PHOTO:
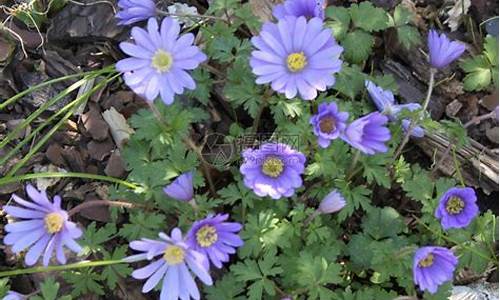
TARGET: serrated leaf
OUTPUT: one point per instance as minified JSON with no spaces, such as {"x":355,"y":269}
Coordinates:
{"x":491,"y":49}
{"x":114,"y":272}
{"x":368,"y":17}
{"x":402,"y":15}
{"x":350,"y":81}
{"x":49,"y":289}
{"x":340,"y":21}
{"x":408,"y":36}
{"x":226,"y":288}
{"x":84,"y":282}
{"x":478,"y":80}
{"x":382,"y":223}
{"x":357,"y":46}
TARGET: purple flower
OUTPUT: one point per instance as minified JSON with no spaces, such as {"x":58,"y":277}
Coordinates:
{"x":457,"y":207}
{"x":333,"y":202}
{"x":181,"y":188}
{"x":368,"y":134}
{"x":296,"y":55}
{"x":174,"y":265}
{"x":433,"y":266}
{"x":11,"y":295}
{"x":273,"y":170}
{"x":159,"y":60}
{"x":45,"y":228}
{"x":442,"y":51}
{"x":215,"y":238}
{"x":132,"y":11}
{"x":297,"y":8}
{"x":329,"y":123}
{"x":385,"y":103}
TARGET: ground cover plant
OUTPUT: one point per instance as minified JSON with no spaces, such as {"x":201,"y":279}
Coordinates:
{"x":248,"y":150}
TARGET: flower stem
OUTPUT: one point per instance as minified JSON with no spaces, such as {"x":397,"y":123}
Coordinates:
{"x":84,"y":264}
{"x":191,"y":144}
{"x":450,"y":240}
{"x":311,"y":217}
{"x":93,"y":203}
{"x":6,"y":180}
{"x":413,"y":123}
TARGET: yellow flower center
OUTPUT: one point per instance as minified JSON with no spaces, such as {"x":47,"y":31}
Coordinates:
{"x":162,"y":61}
{"x":296,"y":61}
{"x":53,"y":222}
{"x":272,"y":167}
{"x":455,"y":205}
{"x":174,"y":255}
{"x":327,"y":125}
{"x":426,"y":261}
{"x":206,"y":236}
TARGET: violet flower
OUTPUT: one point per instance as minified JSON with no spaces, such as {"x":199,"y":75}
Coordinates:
{"x":433,"y":266}
{"x":159,"y":61}
{"x":385,"y":103}
{"x":297,"y":8}
{"x":368,"y":134}
{"x":175,"y":265}
{"x":442,"y":51}
{"x":273,"y":170}
{"x":132,"y":11}
{"x":333,"y":202}
{"x":296,"y":56}
{"x":181,"y":188}
{"x":215,"y":238}
{"x":329,"y":123}
{"x":457,"y":207}
{"x":43,"y":227}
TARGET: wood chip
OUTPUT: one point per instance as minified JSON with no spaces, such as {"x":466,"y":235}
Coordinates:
{"x":120,"y":130}
{"x":95,"y":124}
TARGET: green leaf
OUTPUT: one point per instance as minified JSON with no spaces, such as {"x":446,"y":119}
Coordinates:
{"x":479,"y":68}
{"x":491,"y":50}
{"x":93,"y":238}
{"x":241,"y":89}
{"x":204,"y":85}
{"x":142,"y":225}
{"x":368,"y":17}
{"x":49,"y":289}
{"x":477,"y":80}
{"x":350,"y":81}
{"x":4,"y":287}
{"x":408,"y":36}
{"x":341,"y":19}
{"x":402,"y":15}
{"x":374,"y":169}
{"x":382,"y":223}
{"x":84,"y":282}
{"x":226,"y":288}
{"x":355,"y":198}
{"x":357,"y":46}
{"x":114,"y":272}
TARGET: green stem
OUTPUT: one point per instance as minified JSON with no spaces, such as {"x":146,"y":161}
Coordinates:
{"x":352,"y":167}
{"x":77,"y":265}
{"x":414,"y":122}
{"x":457,"y":167}
{"x":6,"y":180}
{"x":455,"y":242}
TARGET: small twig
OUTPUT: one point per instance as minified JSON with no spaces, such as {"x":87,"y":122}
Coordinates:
{"x":474,"y":121}
{"x":93,"y":203}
